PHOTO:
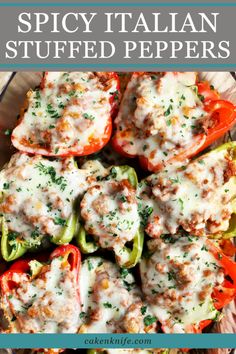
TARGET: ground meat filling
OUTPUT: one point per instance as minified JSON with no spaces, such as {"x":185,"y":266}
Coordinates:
{"x":110,"y":212}
{"x":198,"y":197}
{"x":49,"y":303}
{"x":178,"y":280}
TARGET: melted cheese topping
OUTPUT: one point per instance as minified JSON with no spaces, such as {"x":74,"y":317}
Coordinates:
{"x":178,"y":280}
{"x":197,"y":197}
{"x":110,"y":212}
{"x":38,"y":195}
{"x":48,"y":303}
{"x":111,"y":300}
{"x":159,"y":115}
{"x":70,"y":112}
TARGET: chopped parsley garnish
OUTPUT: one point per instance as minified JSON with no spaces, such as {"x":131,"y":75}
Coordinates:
{"x":113,"y":174}
{"x":71,"y":93}
{"x":167,"y":112}
{"x":145,"y":147}
{"x":37,"y":104}
{"x":12,"y":235}
{"x":123,"y":198}
{"x":171,"y":275}
{"x":61,"y":105}
{"x":129,"y":286}
{"x":35,"y":233}
{"x":168,"y":239}
{"x":116,"y":94}
{"x":149,"y":320}
{"x":82,"y":314}
{"x":88,"y":116}
{"x":6,"y":185}
{"x":201,"y":97}
{"x":61,"y":181}
{"x":90,"y":266}
{"x":52,"y":112}
{"x":145,"y":213}
{"x":37,"y":94}
{"x":59,"y":221}
{"x":181,"y":204}
{"x":124,"y":272}
{"x":175,"y":180}
{"x":107,"y":305}
{"x":143,"y":310}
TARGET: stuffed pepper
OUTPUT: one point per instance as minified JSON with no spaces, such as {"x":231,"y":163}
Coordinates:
{"x":186,"y":280}
{"x":43,"y":298}
{"x":38,"y":202}
{"x":168,"y":117}
{"x":109,"y":213}
{"x":111,"y":301}
{"x":70,"y":114}
{"x":199,"y":197}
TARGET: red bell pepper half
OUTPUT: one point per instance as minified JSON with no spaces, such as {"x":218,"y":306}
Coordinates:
{"x":41,"y":144}
{"x":70,"y":254}
{"x":12,"y":278}
{"x":221,"y":117}
{"x":225,"y":293}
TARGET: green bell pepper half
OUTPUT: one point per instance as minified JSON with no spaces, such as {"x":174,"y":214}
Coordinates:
{"x":14,"y":248}
{"x":10,"y":249}
{"x":126,"y":257}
